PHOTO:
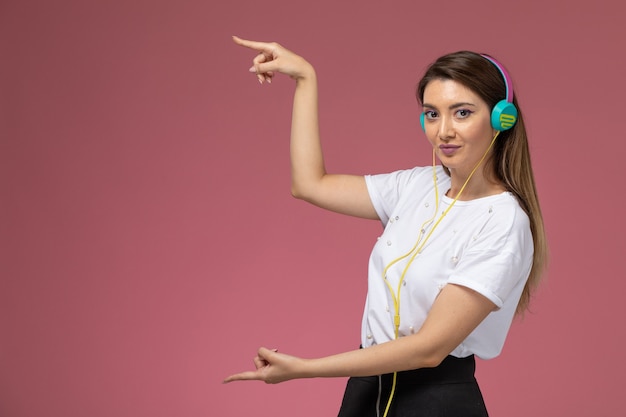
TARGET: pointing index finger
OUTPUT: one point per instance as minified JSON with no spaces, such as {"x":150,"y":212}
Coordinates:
{"x":258,"y":46}
{"x":242,"y":376}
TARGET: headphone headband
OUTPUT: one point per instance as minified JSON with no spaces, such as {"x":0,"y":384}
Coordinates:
{"x":505,"y":75}
{"x":504,"y":113}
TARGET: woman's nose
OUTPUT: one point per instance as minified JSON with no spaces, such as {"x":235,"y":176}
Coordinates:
{"x":446,"y":128}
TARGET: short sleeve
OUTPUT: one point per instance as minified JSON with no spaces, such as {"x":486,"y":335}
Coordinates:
{"x":499,"y":258}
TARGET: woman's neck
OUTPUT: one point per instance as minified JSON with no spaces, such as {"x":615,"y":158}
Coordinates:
{"x":478,"y":186}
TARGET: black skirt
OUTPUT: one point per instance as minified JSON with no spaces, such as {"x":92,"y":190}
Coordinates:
{"x":449,"y":390}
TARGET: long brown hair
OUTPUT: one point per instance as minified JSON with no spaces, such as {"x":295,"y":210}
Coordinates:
{"x":510,"y":156}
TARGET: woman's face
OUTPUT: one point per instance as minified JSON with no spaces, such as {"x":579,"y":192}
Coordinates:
{"x":457,"y":124}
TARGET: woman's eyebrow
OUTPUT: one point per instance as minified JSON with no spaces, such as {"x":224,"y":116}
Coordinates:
{"x":452,"y":106}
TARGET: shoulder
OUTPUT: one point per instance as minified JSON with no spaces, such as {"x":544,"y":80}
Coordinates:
{"x":401,"y":178}
{"x":387,"y":191}
{"x":507,"y":209}
{"x":508,"y":225}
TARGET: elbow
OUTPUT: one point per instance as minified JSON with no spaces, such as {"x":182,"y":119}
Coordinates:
{"x":307,"y":187}
{"x":431,"y":361}
{"x":433,"y":358}
{"x":296,"y":192}
{"x":303,"y":191}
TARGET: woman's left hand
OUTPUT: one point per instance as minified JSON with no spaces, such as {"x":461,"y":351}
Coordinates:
{"x":271,"y":367}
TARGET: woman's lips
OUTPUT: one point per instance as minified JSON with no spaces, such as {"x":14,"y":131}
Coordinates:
{"x":448,"y":149}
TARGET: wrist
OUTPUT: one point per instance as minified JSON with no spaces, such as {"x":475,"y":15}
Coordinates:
{"x":306,"y":74}
{"x":306,"y":368}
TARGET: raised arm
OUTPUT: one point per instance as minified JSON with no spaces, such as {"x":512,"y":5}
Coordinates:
{"x":457,"y":311}
{"x":345,"y":194}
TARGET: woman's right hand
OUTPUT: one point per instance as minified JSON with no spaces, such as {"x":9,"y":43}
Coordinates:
{"x":272,"y":368}
{"x":273,"y":58}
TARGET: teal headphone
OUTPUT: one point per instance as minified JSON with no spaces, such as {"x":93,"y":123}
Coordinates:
{"x":504,"y":113}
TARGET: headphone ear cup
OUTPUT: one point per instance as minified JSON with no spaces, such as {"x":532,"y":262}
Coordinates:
{"x":422,"y":122}
{"x":503,"y":115}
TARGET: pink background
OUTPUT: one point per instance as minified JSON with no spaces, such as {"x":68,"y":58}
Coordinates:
{"x":149,"y":242}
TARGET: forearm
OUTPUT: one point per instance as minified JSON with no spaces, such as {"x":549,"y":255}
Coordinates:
{"x":454,"y":315}
{"x":307,"y":161}
{"x":398,"y":355}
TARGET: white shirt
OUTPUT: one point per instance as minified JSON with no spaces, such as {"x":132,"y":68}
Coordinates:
{"x":483,"y":244}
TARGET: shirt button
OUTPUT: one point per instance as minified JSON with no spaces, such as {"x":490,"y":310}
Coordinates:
{"x":369,"y":336}
{"x":455,"y":259}
{"x":389,"y":243}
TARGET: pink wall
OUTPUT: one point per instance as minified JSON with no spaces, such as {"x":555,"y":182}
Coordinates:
{"x":149,"y":243}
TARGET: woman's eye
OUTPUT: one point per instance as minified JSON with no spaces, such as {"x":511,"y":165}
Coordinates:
{"x":463,"y":113}
{"x":430,"y":114}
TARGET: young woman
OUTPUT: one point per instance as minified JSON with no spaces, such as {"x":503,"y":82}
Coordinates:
{"x":462,"y":248}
